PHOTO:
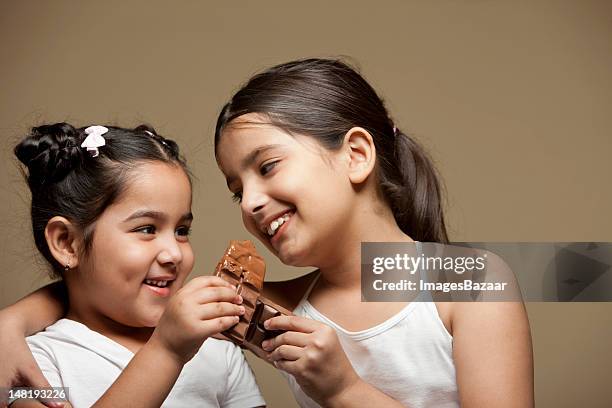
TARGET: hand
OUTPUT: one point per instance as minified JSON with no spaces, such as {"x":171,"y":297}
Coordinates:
{"x":203,"y":307}
{"x":311,"y":352}
{"x":19,"y":367}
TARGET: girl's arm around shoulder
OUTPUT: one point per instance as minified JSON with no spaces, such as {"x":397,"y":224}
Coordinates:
{"x":37,"y":310}
{"x":29,"y":315}
{"x":289,"y":293}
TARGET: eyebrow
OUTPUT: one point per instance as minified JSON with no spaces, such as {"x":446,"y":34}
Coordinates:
{"x":251,"y":158}
{"x":157,"y":215}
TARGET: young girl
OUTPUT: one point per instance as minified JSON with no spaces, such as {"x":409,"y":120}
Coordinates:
{"x":318,"y":166}
{"x":111,"y":213}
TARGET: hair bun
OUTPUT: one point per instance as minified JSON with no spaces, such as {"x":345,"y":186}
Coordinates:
{"x":50,"y":152}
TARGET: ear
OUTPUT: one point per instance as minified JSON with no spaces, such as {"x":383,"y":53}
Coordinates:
{"x":61,"y":236}
{"x":359,"y":145}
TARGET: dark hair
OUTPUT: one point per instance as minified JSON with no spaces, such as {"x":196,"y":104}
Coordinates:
{"x":68,"y":181}
{"x":324,"y":99}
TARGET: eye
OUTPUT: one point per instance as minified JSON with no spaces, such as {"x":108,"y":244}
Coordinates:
{"x":183,"y":231}
{"x":268,"y":167}
{"x":237,"y":197}
{"x":147,"y":229}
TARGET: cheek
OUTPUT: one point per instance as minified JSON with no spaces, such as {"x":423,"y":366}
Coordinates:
{"x":249,"y":224}
{"x":188,"y":260}
{"x":123,"y":256}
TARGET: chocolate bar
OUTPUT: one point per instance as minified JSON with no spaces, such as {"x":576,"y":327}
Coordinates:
{"x":244,"y":268}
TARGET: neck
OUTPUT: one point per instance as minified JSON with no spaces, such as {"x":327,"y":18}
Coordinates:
{"x":373,"y":223}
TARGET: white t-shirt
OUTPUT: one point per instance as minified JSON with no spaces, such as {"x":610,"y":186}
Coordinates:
{"x":71,"y":355}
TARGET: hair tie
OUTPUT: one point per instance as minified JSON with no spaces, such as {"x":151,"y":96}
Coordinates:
{"x":160,"y":139}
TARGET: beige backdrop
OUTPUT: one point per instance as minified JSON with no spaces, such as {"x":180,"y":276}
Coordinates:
{"x":513,"y":99}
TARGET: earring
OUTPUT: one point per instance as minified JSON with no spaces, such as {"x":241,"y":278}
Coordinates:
{"x":67,"y":267}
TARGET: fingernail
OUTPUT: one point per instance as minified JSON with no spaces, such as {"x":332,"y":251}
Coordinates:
{"x":266,"y":345}
{"x":238,"y":299}
{"x":267,"y":324}
{"x":241,"y":310}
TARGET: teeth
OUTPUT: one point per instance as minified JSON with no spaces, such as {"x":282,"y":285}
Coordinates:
{"x":159,"y":284}
{"x":274,"y":225}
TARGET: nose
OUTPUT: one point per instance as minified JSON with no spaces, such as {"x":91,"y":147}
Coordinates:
{"x":170,"y":253}
{"x":253,"y":200}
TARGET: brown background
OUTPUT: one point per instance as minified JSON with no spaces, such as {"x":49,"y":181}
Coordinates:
{"x":512,"y":99}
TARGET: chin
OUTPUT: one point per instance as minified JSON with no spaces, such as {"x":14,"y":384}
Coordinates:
{"x":151,"y":319}
{"x":294,"y":258}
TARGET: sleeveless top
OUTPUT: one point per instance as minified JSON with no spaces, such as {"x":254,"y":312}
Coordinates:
{"x":408,"y":357}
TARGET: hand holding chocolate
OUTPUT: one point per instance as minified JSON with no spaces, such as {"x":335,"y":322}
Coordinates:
{"x":243,"y":267}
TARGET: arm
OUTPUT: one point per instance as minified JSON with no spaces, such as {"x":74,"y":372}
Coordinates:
{"x":43,"y":359}
{"x":493,"y":355}
{"x":28,"y":316}
{"x":37,"y":310}
{"x":202,"y":308}
{"x":147,"y":379}
{"x":492,"y":345}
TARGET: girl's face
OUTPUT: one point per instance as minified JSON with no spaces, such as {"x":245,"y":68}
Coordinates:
{"x":141,"y":252}
{"x":295,"y":195}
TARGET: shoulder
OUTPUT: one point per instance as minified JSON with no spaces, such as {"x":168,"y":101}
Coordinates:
{"x":289,"y":293}
{"x":55,"y":333}
{"x":497,"y":294}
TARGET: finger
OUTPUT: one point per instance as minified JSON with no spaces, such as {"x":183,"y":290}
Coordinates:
{"x":211,"y":311}
{"x":290,"y":367}
{"x":286,"y":352}
{"x":216,"y":294}
{"x":32,"y":377}
{"x":207,"y":281}
{"x":25,"y":403}
{"x":219,"y":324}
{"x":292,"y":323}
{"x":291,"y":338}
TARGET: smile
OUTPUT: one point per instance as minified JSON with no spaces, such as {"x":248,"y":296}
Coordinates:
{"x":160,"y":287}
{"x":158,"y":283}
{"x":277,"y":223}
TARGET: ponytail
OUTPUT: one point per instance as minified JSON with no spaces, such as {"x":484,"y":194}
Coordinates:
{"x":412,"y":188}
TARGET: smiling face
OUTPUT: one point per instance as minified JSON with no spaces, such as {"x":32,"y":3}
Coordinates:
{"x":140,"y":253}
{"x":295,"y":195}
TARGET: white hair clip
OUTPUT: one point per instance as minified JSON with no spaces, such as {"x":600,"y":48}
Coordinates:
{"x":94,"y":139}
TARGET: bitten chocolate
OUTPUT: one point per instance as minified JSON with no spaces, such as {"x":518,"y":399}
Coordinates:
{"x":244,"y":268}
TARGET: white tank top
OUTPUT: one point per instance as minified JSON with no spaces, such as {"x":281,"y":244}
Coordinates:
{"x":408,"y":357}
